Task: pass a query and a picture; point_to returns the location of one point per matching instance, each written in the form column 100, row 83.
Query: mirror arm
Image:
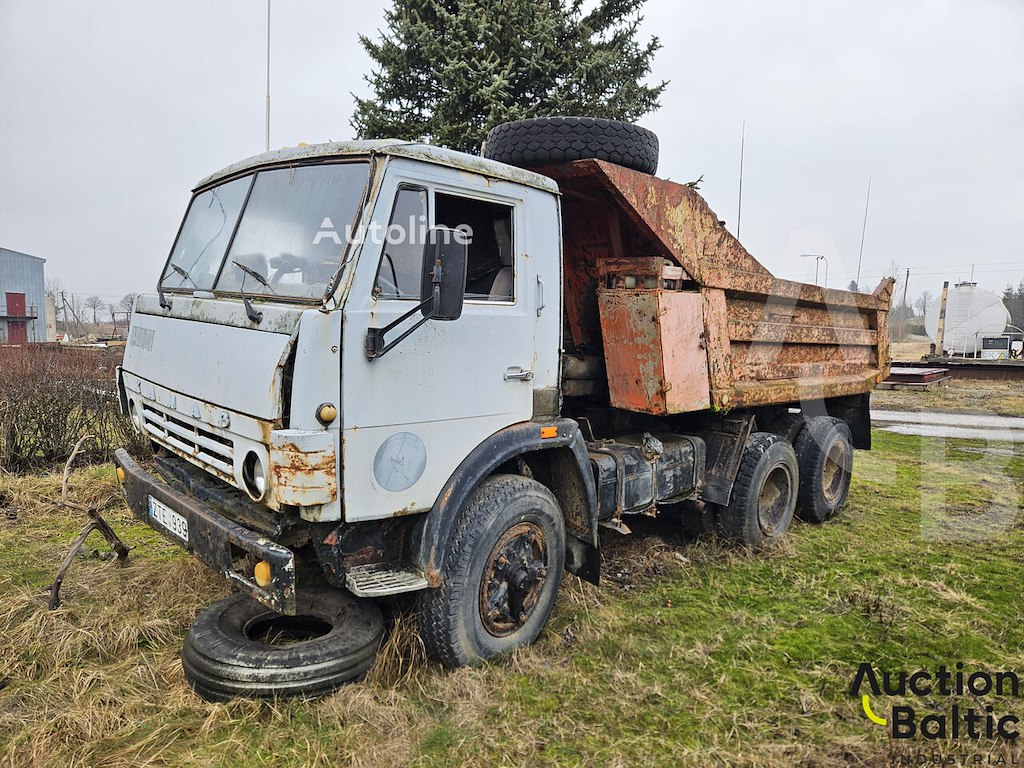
column 164, row 303
column 375, row 344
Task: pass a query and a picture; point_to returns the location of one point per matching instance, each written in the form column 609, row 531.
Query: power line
column 938, row 270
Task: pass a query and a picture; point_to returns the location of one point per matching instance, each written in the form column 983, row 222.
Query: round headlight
column 254, row 475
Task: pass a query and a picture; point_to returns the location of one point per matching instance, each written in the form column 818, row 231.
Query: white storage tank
column 971, row 314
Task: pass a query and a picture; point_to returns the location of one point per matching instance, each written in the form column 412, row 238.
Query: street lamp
column 817, row 257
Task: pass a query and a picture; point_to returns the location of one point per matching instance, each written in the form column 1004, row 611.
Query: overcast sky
column 111, row 110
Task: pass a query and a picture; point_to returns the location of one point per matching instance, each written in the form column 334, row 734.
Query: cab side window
column 398, row 275
column 487, row 228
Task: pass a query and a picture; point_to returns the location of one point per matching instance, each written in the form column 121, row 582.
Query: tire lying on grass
column 824, row 453
column 551, row 140
column 239, row 647
column 764, row 495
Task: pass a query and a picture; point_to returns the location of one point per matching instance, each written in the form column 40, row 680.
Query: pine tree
column 1013, row 298
column 447, row 71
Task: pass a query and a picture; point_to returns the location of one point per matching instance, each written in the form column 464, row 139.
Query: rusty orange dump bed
column 686, row 318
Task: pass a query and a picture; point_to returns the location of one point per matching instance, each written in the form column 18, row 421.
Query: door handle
column 516, row 373
column 540, row 295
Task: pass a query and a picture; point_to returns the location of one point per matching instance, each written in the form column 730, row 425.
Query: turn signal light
column 326, row 413
column 262, row 573
column 120, row 474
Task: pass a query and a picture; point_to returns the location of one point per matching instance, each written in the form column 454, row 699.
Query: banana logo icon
column 866, row 703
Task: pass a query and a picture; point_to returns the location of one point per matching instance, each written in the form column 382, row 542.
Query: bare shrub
column 50, row 397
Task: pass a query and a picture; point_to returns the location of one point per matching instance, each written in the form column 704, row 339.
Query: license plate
column 168, row 519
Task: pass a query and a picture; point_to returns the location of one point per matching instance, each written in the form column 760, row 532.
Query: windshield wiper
column 250, row 311
column 254, row 275
column 184, row 274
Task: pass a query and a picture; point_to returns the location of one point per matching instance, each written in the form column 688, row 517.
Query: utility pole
column 267, row 143
column 739, row 203
column 863, row 229
column 903, row 307
column 68, row 309
column 940, row 334
column 817, row 259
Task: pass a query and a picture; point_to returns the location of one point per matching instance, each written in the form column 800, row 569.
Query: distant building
column 22, row 298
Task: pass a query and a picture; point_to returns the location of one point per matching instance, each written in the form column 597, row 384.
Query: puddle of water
column 964, row 426
column 961, row 433
column 970, row 420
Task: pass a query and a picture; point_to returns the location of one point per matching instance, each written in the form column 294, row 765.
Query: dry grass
column 914, row 348
column 689, row 654
column 1002, row 398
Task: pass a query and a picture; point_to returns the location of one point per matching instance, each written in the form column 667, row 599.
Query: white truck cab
column 241, row 396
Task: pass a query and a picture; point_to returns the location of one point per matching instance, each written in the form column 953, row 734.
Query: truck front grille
column 210, row 450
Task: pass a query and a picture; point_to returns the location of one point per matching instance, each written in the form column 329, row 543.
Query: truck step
column 615, row 524
column 380, row 579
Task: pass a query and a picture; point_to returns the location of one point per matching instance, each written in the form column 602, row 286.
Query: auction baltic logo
column 959, row 722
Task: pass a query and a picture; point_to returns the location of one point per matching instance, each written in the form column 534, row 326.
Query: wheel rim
column 773, row 500
column 833, row 473
column 513, row 579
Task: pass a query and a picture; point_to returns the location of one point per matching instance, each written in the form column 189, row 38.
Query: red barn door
column 17, row 330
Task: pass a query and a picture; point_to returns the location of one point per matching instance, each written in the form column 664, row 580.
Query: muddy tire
column 788, row 426
column 824, row 453
column 502, row 570
column 764, row 495
column 552, row 140
column 240, row 648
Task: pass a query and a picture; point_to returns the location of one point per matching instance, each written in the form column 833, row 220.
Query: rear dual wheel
column 764, row 494
column 824, row 452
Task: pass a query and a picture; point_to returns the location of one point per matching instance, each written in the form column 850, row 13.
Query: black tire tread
column 810, row 504
column 552, row 140
column 789, row 426
column 439, row 608
column 220, row 663
column 731, row 522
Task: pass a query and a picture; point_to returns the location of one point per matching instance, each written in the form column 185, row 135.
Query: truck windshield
column 290, row 231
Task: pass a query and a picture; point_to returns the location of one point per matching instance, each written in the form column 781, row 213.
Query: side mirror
column 444, row 267
column 442, row 289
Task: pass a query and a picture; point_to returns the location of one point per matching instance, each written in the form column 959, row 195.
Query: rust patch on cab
column 303, row 467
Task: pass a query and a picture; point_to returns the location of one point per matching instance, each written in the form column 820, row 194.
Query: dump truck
column 372, row 368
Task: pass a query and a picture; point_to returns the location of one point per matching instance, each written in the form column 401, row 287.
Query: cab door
column 412, row 415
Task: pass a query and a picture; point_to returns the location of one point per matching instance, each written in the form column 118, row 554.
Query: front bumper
column 212, row 538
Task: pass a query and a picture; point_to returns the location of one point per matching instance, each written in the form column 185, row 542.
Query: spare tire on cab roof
column 552, row 140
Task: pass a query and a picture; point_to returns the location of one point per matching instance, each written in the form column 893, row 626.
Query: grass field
column 688, row 654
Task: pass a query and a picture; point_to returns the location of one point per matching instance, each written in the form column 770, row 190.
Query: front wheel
column 502, row 571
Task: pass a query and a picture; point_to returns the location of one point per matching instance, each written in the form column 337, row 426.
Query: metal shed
column 22, row 298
